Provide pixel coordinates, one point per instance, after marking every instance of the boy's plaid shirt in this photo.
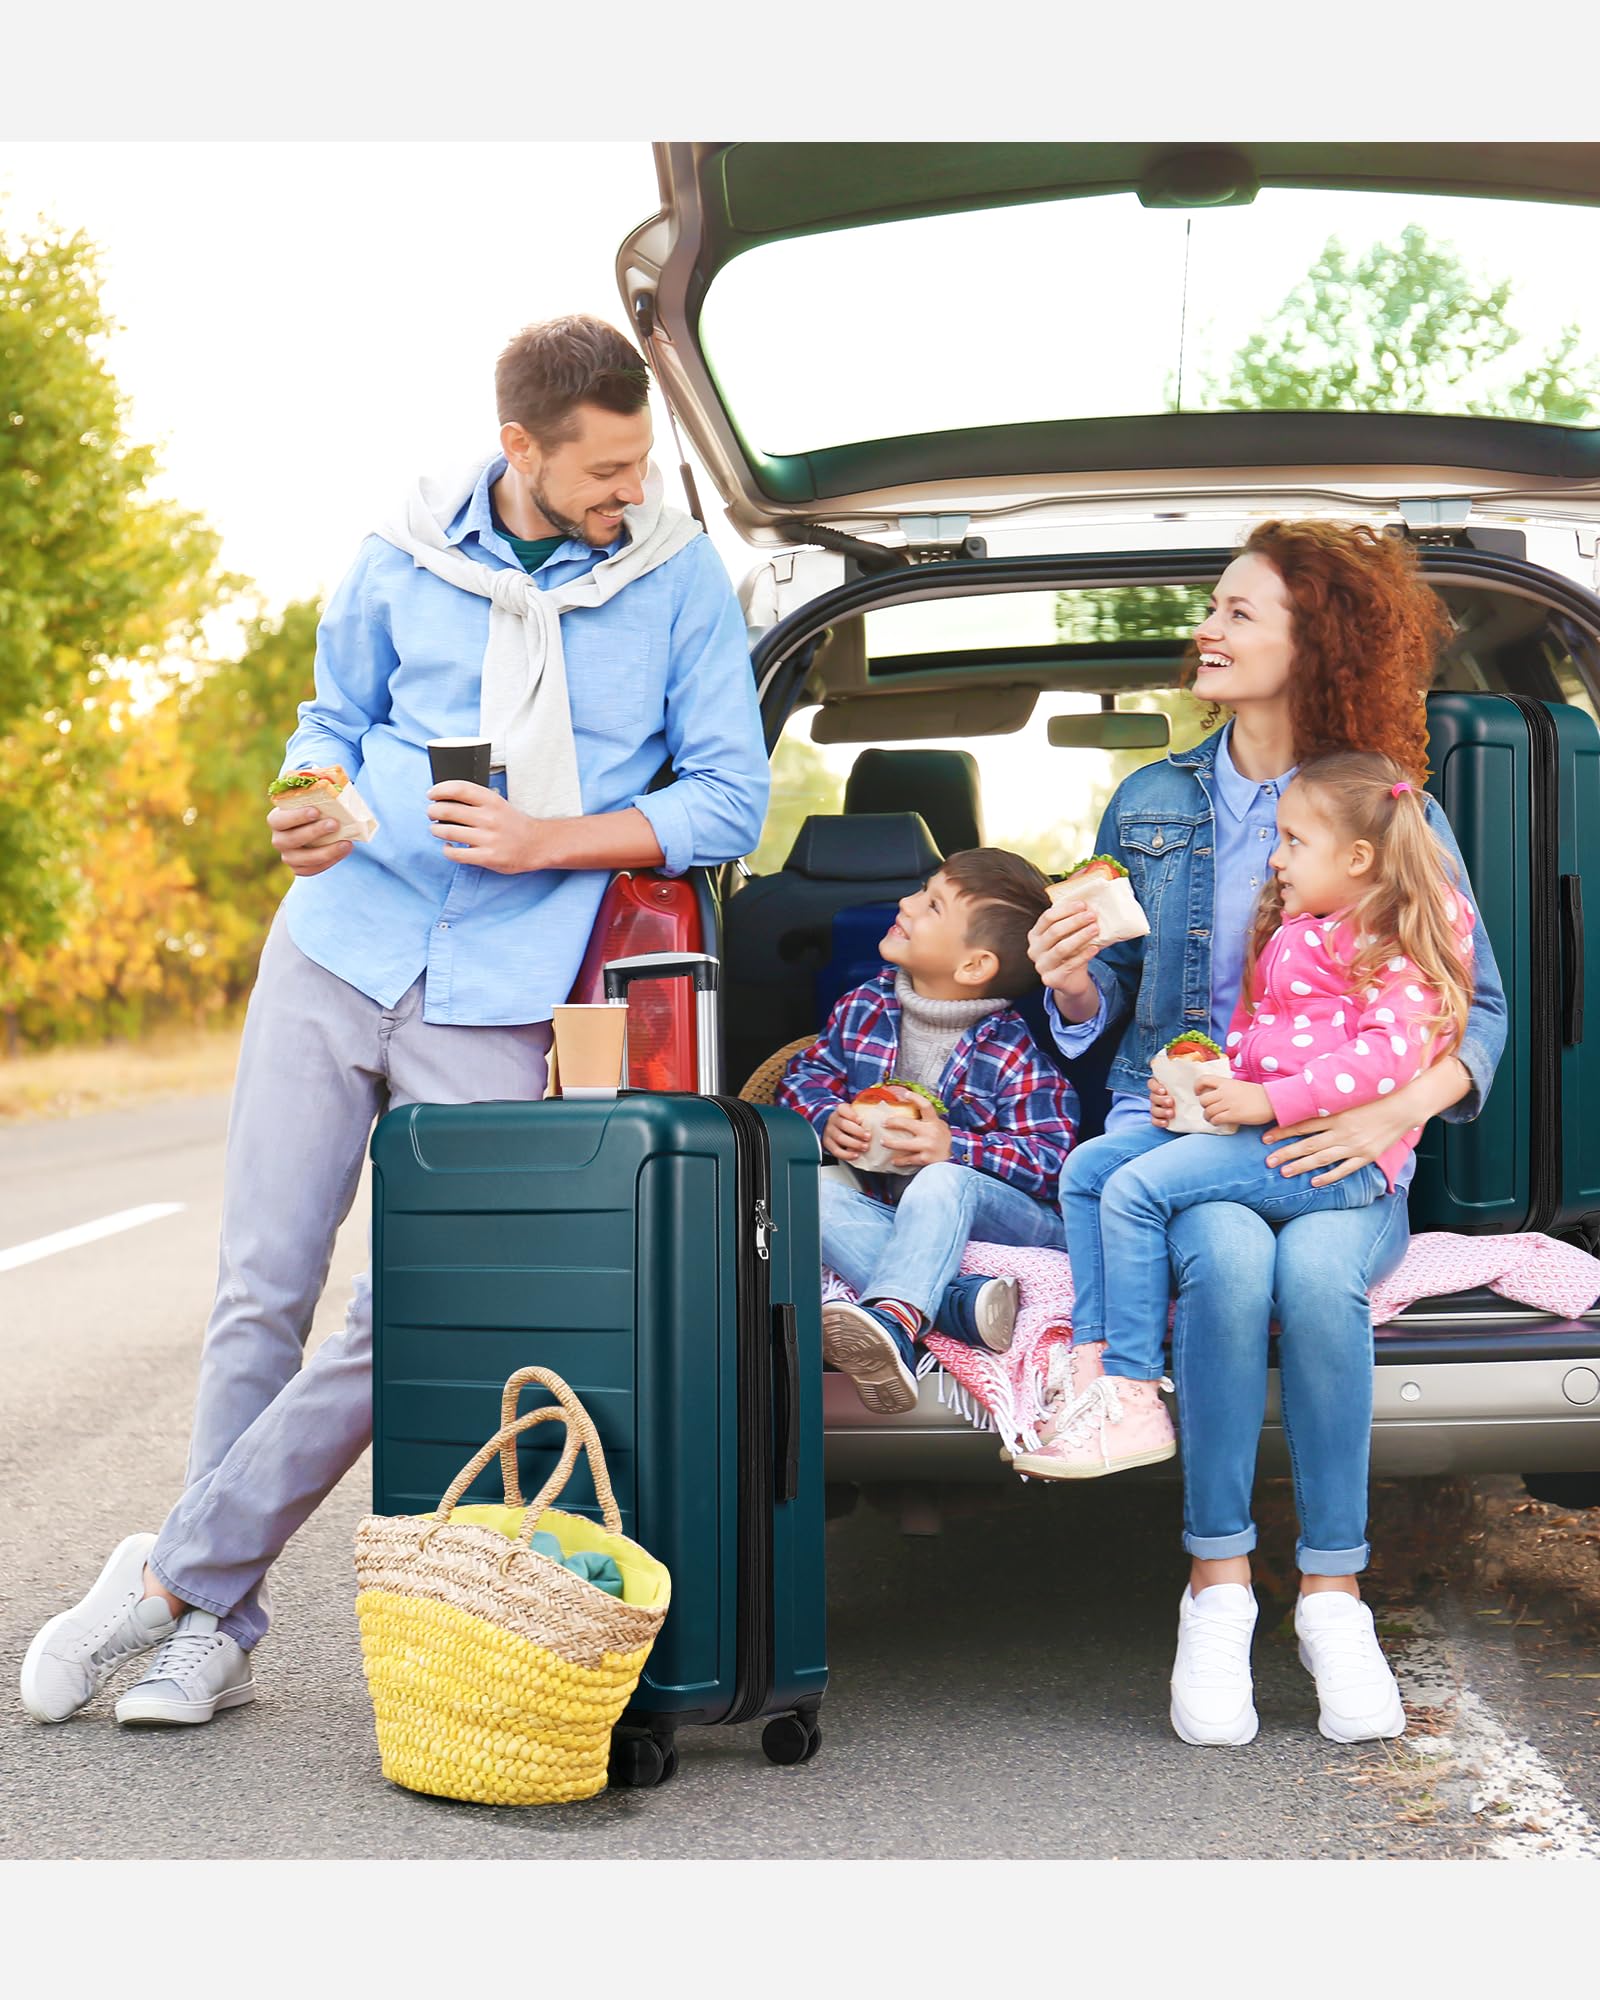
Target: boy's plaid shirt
(1011, 1112)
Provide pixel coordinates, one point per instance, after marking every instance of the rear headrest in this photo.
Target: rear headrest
(865, 847)
(942, 785)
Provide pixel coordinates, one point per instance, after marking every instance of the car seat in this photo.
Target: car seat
(777, 931)
(941, 785)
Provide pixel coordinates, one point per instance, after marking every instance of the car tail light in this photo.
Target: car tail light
(648, 913)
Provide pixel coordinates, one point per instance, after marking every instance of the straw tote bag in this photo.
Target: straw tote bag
(497, 1674)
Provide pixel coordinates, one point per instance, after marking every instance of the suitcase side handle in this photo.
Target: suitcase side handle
(706, 973)
(1572, 966)
(785, 1404)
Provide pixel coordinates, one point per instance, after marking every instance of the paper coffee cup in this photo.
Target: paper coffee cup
(591, 1042)
(459, 757)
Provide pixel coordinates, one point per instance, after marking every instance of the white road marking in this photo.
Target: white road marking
(87, 1232)
(1511, 1788)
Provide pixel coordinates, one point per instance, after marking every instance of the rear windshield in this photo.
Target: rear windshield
(1099, 307)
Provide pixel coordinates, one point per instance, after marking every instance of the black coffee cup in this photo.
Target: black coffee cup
(459, 757)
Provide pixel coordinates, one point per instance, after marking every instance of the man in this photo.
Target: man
(549, 600)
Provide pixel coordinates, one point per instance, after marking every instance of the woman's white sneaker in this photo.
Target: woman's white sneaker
(77, 1652)
(1213, 1696)
(197, 1671)
(1356, 1689)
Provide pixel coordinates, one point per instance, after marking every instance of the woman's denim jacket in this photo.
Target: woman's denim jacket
(1159, 826)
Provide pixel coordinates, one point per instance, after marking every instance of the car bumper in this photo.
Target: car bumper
(1448, 1397)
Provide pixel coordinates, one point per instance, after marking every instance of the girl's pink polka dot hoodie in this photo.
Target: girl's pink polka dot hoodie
(1316, 1046)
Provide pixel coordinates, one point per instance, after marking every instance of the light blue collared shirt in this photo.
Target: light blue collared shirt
(1246, 832)
(660, 670)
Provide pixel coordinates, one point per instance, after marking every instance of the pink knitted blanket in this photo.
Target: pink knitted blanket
(1011, 1393)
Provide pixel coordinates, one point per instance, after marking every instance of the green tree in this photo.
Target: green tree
(235, 722)
(1403, 326)
(98, 577)
(803, 782)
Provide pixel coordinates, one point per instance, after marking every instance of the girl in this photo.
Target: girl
(1321, 637)
(1356, 978)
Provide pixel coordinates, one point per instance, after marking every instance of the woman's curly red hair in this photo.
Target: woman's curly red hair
(1367, 634)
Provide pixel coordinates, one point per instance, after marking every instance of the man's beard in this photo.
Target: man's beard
(575, 530)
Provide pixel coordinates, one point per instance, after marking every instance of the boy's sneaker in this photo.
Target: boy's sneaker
(875, 1351)
(197, 1671)
(75, 1653)
(1115, 1424)
(979, 1312)
(1213, 1697)
(1358, 1693)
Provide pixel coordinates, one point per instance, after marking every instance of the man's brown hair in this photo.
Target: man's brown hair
(1006, 896)
(550, 369)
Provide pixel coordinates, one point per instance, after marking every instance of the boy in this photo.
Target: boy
(938, 1015)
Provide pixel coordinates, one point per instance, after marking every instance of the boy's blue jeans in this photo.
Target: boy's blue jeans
(1235, 1270)
(913, 1250)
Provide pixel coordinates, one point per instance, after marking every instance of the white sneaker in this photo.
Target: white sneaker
(1212, 1693)
(1358, 1693)
(77, 1652)
(197, 1671)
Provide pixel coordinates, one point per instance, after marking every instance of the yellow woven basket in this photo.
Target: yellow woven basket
(496, 1674)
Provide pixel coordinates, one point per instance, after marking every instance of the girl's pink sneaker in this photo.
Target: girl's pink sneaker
(1116, 1423)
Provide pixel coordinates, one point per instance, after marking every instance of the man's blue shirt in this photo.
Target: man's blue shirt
(660, 670)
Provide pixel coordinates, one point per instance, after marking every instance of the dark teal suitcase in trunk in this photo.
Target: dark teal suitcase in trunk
(1520, 783)
(660, 1251)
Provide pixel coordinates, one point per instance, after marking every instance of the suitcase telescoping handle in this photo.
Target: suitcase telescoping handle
(705, 971)
(1571, 960)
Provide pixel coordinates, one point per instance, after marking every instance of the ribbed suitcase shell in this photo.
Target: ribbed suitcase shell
(1520, 782)
(602, 1239)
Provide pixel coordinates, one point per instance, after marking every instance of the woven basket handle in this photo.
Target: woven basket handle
(580, 1432)
(508, 1412)
(505, 1440)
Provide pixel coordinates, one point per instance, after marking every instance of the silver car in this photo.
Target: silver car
(990, 420)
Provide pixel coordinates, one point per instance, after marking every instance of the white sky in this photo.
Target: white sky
(300, 337)
(301, 341)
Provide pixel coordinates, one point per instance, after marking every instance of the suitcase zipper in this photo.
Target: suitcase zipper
(753, 1293)
(1544, 974)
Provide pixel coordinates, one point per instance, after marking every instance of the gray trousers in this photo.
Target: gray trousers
(318, 1066)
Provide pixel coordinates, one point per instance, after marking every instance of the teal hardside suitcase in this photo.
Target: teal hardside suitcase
(1520, 783)
(660, 1251)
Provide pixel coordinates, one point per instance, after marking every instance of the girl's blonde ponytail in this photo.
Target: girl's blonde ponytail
(1409, 905)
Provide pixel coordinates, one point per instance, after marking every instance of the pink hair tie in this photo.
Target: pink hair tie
(1403, 786)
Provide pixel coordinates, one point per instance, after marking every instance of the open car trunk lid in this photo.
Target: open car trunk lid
(861, 334)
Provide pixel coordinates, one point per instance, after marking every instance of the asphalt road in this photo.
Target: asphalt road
(998, 1688)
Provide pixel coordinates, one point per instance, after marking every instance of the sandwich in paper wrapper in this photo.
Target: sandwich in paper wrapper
(1180, 1066)
(329, 789)
(875, 1106)
(1102, 884)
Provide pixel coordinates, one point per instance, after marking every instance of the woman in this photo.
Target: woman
(1320, 637)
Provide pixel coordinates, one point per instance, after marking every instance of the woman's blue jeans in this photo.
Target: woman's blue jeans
(1235, 1271)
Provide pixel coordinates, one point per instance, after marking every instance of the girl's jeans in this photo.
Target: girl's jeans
(1234, 1269)
(913, 1250)
(1140, 1200)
